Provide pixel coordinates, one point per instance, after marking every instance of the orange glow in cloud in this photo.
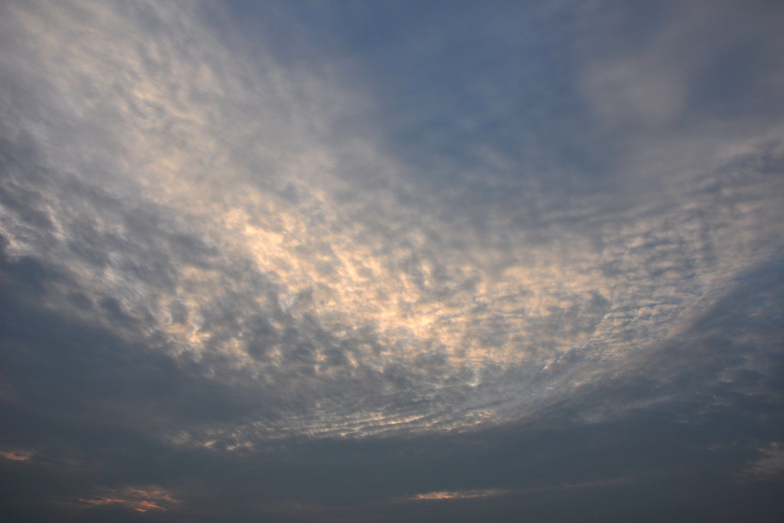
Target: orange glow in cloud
(17, 455)
(461, 494)
(138, 499)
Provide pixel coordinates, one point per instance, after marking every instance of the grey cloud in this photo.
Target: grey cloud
(722, 365)
(770, 465)
(71, 225)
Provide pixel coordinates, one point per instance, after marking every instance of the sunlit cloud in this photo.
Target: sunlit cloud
(487, 493)
(17, 455)
(222, 212)
(461, 494)
(140, 499)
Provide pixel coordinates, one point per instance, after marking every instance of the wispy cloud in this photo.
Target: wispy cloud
(486, 493)
(460, 494)
(770, 465)
(140, 499)
(17, 455)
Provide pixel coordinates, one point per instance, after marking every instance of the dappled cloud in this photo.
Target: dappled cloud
(209, 199)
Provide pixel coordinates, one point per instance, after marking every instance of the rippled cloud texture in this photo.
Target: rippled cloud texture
(386, 261)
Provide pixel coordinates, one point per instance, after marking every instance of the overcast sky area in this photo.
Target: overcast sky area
(365, 261)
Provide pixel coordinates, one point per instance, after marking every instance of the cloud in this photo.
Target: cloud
(684, 60)
(217, 256)
(17, 455)
(140, 499)
(328, 262)
(770, 465)
(197, 199)
(467, 494)
(471, 494)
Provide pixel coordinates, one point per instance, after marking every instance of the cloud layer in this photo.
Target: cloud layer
(222, 239)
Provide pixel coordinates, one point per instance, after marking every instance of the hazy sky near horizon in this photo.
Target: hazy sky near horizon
(384, 261)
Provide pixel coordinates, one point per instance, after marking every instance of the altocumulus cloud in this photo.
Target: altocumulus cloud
(247, 250)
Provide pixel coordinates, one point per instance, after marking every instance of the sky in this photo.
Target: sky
(391, 261)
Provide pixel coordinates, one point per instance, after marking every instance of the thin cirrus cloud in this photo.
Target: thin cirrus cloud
(384, 222)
